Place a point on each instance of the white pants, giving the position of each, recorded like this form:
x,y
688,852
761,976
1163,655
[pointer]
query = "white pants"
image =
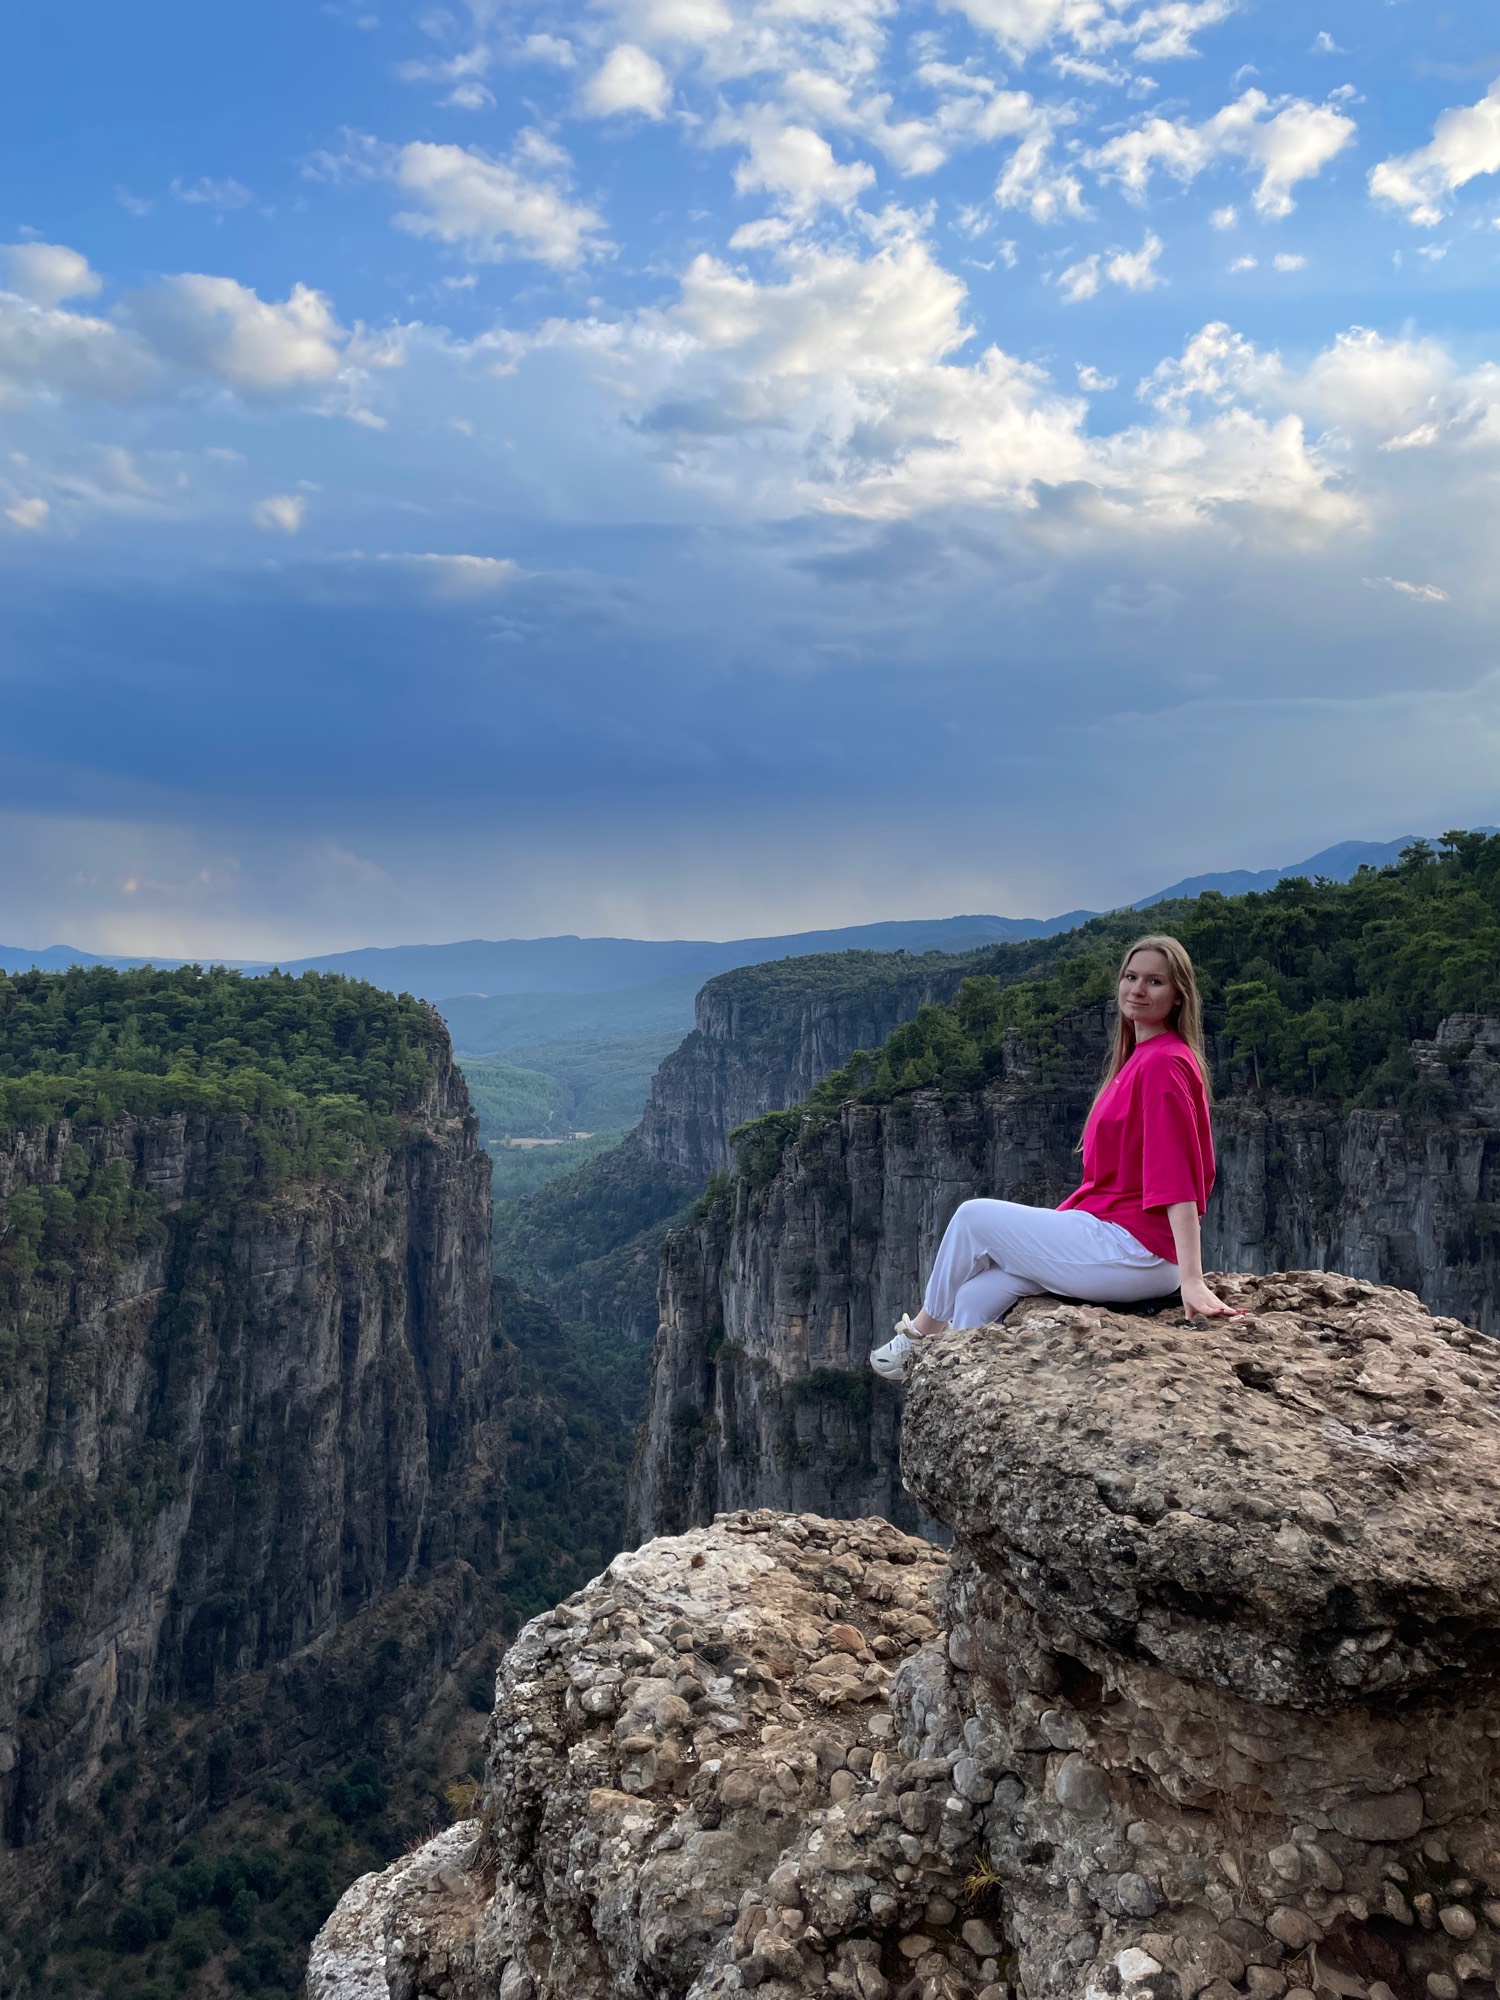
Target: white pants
x,y
995,1252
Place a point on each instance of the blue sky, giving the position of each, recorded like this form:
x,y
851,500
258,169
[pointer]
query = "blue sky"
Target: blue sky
x,y
716,466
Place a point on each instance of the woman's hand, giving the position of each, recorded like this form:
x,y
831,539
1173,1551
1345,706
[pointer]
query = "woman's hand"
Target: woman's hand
x,y
1197,1297
1200,1299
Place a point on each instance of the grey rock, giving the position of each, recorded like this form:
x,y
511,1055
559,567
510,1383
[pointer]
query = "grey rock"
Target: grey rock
x,y
1383,1816
1135,1895
1081,1786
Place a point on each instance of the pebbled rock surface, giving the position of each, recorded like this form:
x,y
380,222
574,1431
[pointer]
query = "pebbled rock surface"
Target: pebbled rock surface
x,y
1224,1602
1204,1703
725,1765
1301,1506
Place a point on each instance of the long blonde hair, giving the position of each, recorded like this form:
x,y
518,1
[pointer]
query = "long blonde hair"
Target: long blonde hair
x,y
1186,1017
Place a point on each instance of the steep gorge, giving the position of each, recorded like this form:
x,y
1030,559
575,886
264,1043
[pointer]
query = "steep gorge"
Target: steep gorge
x,y
233,1420
773,1295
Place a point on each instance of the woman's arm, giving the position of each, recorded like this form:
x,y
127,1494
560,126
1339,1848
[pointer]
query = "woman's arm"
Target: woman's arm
x,y
1188,1237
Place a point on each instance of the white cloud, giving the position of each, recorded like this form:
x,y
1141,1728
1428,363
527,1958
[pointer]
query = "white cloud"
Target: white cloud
x,y
554,50
1224,218
460,576
763,234
206,193
28,514
1425,593
1289,260
1217,366
1095,383
1363,390
1465,143
49,351
281,514
1159,33
794,163
493,209
1365,382
628,80
1031,180
1288,140
1245,263
1416,439
48,273
470,97
838,386
1081,280
1136,269
220,328
1323,44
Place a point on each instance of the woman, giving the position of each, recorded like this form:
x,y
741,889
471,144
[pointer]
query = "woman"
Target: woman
x,y
1132,1230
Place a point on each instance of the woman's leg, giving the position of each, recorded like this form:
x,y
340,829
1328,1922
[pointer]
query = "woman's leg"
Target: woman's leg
x,y
986,1297
1040,1249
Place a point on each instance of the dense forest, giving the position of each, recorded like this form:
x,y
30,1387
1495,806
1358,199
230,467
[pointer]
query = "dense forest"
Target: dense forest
x,y
1310,989
331,1055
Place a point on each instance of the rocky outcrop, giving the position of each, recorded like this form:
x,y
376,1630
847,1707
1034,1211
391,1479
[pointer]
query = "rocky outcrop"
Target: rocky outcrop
x,y
1227,1600
254,1412
681,1768
1204,1704
764,1035
772,1299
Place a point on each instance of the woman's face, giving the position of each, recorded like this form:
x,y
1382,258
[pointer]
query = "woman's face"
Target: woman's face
x,y
1146,993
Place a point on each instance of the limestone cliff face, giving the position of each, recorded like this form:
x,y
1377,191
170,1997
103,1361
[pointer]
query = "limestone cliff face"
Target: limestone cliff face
x,y
771,1301
223,1441
766,1034
1203,1706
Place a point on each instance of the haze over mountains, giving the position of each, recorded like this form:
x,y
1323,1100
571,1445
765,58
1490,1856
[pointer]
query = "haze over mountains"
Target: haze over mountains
x,y
662,976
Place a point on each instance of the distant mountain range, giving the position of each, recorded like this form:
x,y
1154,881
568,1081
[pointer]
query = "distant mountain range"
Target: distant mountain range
x,y
563,986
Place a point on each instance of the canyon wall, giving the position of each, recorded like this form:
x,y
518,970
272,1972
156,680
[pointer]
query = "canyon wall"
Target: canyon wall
x,y
764,1035
772,1298
232,1419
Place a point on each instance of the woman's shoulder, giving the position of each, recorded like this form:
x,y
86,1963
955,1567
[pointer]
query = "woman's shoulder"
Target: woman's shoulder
x,y
1169,1056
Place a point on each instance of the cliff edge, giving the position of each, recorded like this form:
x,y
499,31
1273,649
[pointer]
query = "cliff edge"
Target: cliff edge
x,y
775,1291
1203,1703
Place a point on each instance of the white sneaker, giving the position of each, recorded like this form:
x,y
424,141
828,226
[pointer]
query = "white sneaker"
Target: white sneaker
x,y
893,1359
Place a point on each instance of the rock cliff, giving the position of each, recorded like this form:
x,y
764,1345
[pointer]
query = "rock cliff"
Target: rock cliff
x,y
1204,1704
764,1035
773,1296
244,1420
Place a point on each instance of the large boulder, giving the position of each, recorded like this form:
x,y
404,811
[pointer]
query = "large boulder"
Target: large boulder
x,y
1301,1506
1224,1602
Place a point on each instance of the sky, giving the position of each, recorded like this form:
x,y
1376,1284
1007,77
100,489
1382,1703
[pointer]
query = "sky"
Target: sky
x,y
717,467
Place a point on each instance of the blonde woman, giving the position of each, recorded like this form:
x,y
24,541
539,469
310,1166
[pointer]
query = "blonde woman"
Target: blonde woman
x,y
1131,1231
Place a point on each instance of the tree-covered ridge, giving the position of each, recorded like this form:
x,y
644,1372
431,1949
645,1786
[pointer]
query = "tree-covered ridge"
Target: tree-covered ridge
x,y
91,1043
1311,988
